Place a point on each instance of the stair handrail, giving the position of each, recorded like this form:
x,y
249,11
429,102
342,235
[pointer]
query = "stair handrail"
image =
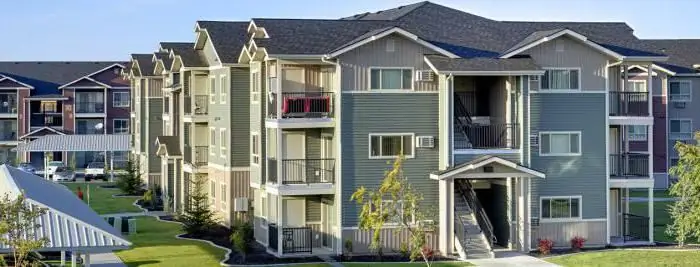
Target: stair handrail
x,y
479,212
461,111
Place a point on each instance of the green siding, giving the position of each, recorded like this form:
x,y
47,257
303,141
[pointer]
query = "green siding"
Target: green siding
x,y
363,114
313,209
155,128
583,175
240,117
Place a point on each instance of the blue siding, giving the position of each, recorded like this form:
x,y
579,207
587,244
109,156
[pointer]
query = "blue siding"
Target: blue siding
x,y
462,158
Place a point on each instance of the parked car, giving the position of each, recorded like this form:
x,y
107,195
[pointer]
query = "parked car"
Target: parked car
x,y
53,165
27,167
63,174
95,170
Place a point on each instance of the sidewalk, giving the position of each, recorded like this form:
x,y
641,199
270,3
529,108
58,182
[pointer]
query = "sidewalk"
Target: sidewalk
x,y
506,259
106,260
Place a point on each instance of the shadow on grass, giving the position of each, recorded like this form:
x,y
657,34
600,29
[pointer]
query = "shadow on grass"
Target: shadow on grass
x,y
141,263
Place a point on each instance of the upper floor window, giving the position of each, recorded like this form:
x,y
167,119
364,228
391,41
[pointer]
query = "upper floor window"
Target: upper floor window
x,y
561,79
224,201
212,192
637,86
560,207
680,91
222,134
390,145
255,87
637,132
255,149
120,126
120,99
560,143
223,88
391,79
212,140
89,102
212,90
681,129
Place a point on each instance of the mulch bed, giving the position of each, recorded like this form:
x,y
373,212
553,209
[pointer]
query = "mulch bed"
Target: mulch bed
x,y
108,186
158,207
385,258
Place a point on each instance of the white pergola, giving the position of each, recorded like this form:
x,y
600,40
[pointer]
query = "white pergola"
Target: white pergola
x,y
78,143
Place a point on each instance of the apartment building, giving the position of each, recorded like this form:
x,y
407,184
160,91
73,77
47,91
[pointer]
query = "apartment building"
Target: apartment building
x,y
516,131
62,98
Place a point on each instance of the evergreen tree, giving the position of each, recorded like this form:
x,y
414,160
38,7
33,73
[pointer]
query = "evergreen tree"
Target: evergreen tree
x,y
198,216
130,181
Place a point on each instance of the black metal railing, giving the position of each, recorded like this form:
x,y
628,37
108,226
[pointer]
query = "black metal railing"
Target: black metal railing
x,y
48,120
8,134
297,240
478,136
201,104
187,153
635,227
629,164
90,107
629,103
272,235
188,105
465,189
201,155
302,171
8,103
301,105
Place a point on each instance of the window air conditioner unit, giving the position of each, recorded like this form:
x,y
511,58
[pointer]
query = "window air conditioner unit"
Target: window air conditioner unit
x,y
240,204
679,104
425,141
424,75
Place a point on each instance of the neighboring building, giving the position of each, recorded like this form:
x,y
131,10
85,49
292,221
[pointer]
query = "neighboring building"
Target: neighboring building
x,y
515,131
62,98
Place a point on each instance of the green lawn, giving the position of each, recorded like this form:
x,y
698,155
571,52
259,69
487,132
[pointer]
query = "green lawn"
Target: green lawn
x,y
637,258
436,264
101,199
155,244
657,194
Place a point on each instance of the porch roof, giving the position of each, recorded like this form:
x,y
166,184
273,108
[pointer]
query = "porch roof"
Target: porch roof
x,y
82,142
474,169
168,146
483,66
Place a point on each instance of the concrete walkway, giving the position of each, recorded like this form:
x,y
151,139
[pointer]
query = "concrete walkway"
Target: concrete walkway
x,y
105,260
508,259
135,214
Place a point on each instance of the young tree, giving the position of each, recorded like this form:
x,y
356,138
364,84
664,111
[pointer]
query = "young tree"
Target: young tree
x,y
243,237
395,201
130,181
685,213
19,228
198,216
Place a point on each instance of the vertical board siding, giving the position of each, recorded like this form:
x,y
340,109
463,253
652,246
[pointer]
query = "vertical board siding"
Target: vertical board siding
x,y
583,175
363,114
239,129
561,232
575,55
391,240
155,87
357,62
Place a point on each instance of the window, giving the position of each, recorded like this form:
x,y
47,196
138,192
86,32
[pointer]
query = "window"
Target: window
x,y
680,91
390,145
212,140
222,135
560,207
120,126
223,88
212,90
637,86
212,193
263,208
224,201
120,99
560,143
255,87
391,78
681,129
397,210
637,132
255,149
560,79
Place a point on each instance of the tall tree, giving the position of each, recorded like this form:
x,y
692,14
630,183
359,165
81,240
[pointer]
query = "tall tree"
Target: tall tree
x,y
685,213
130,182
198,215
395,202
19,227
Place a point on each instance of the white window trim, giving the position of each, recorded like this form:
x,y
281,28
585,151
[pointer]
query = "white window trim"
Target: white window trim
x,y
690,91
646,89
114,126
369,147
222,145
222,93
212,193
212,146
369,78
561,89
670,133
580,149
212,86
224,199
263,215
255,87
253,155
114,98
630,136
580,209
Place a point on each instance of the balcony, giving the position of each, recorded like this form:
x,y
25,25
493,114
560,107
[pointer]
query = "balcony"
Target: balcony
x,y
198,110
486,136
90,107
630,170
38,120
307,109
295,240
302,176
8,130
629,104
201,155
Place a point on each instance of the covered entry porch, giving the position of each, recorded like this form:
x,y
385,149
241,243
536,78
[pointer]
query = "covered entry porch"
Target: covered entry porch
x,y
483,206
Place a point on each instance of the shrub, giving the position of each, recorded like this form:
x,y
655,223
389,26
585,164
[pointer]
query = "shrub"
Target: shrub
x,y
198,217
577,243
544,246
148,197
348,248
242,238
404,251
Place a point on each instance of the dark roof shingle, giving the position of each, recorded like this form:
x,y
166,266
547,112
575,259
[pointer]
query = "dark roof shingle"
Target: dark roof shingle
x,y
482,64
47,76
682,53
228,37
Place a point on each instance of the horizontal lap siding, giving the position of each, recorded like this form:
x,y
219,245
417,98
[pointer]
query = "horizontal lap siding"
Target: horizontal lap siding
x,y
240,117
155,129
386,113
583,175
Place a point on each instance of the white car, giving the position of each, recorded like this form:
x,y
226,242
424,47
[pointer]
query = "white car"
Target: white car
x,y
53,165
63,174
95,170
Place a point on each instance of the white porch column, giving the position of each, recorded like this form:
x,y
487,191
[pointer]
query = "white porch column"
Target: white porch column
x,y
650,128
523,218
650,199
446,205
73,259
280,224
63,258
86,260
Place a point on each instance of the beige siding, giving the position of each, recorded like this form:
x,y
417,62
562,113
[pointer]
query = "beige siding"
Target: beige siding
x,y
237,185
210,53
407,53
391,240
561,232
574,55
155,88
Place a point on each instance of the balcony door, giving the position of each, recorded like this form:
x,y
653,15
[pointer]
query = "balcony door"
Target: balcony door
x,y
294,157
293,80
327,159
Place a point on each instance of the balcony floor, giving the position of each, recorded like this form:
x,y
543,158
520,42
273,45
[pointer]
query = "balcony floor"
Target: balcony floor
x,y
631,182
300,189
631,120
300,123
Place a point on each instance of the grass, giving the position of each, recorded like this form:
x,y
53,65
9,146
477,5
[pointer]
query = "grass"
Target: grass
x,y
101,199
155,244
409,264
637,258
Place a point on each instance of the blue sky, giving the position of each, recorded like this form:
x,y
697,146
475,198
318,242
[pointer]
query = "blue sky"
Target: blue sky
x,y
111,30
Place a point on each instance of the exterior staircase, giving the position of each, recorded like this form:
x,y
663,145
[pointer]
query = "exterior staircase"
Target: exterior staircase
x,y
472,241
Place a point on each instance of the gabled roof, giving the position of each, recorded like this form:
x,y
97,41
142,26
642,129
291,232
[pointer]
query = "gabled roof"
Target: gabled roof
x,y
9,82
682,53
383,32
228,37
388,14
92,77
474,165
41,132
47,76
69,223
168,146
483,66
189,56
145,64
